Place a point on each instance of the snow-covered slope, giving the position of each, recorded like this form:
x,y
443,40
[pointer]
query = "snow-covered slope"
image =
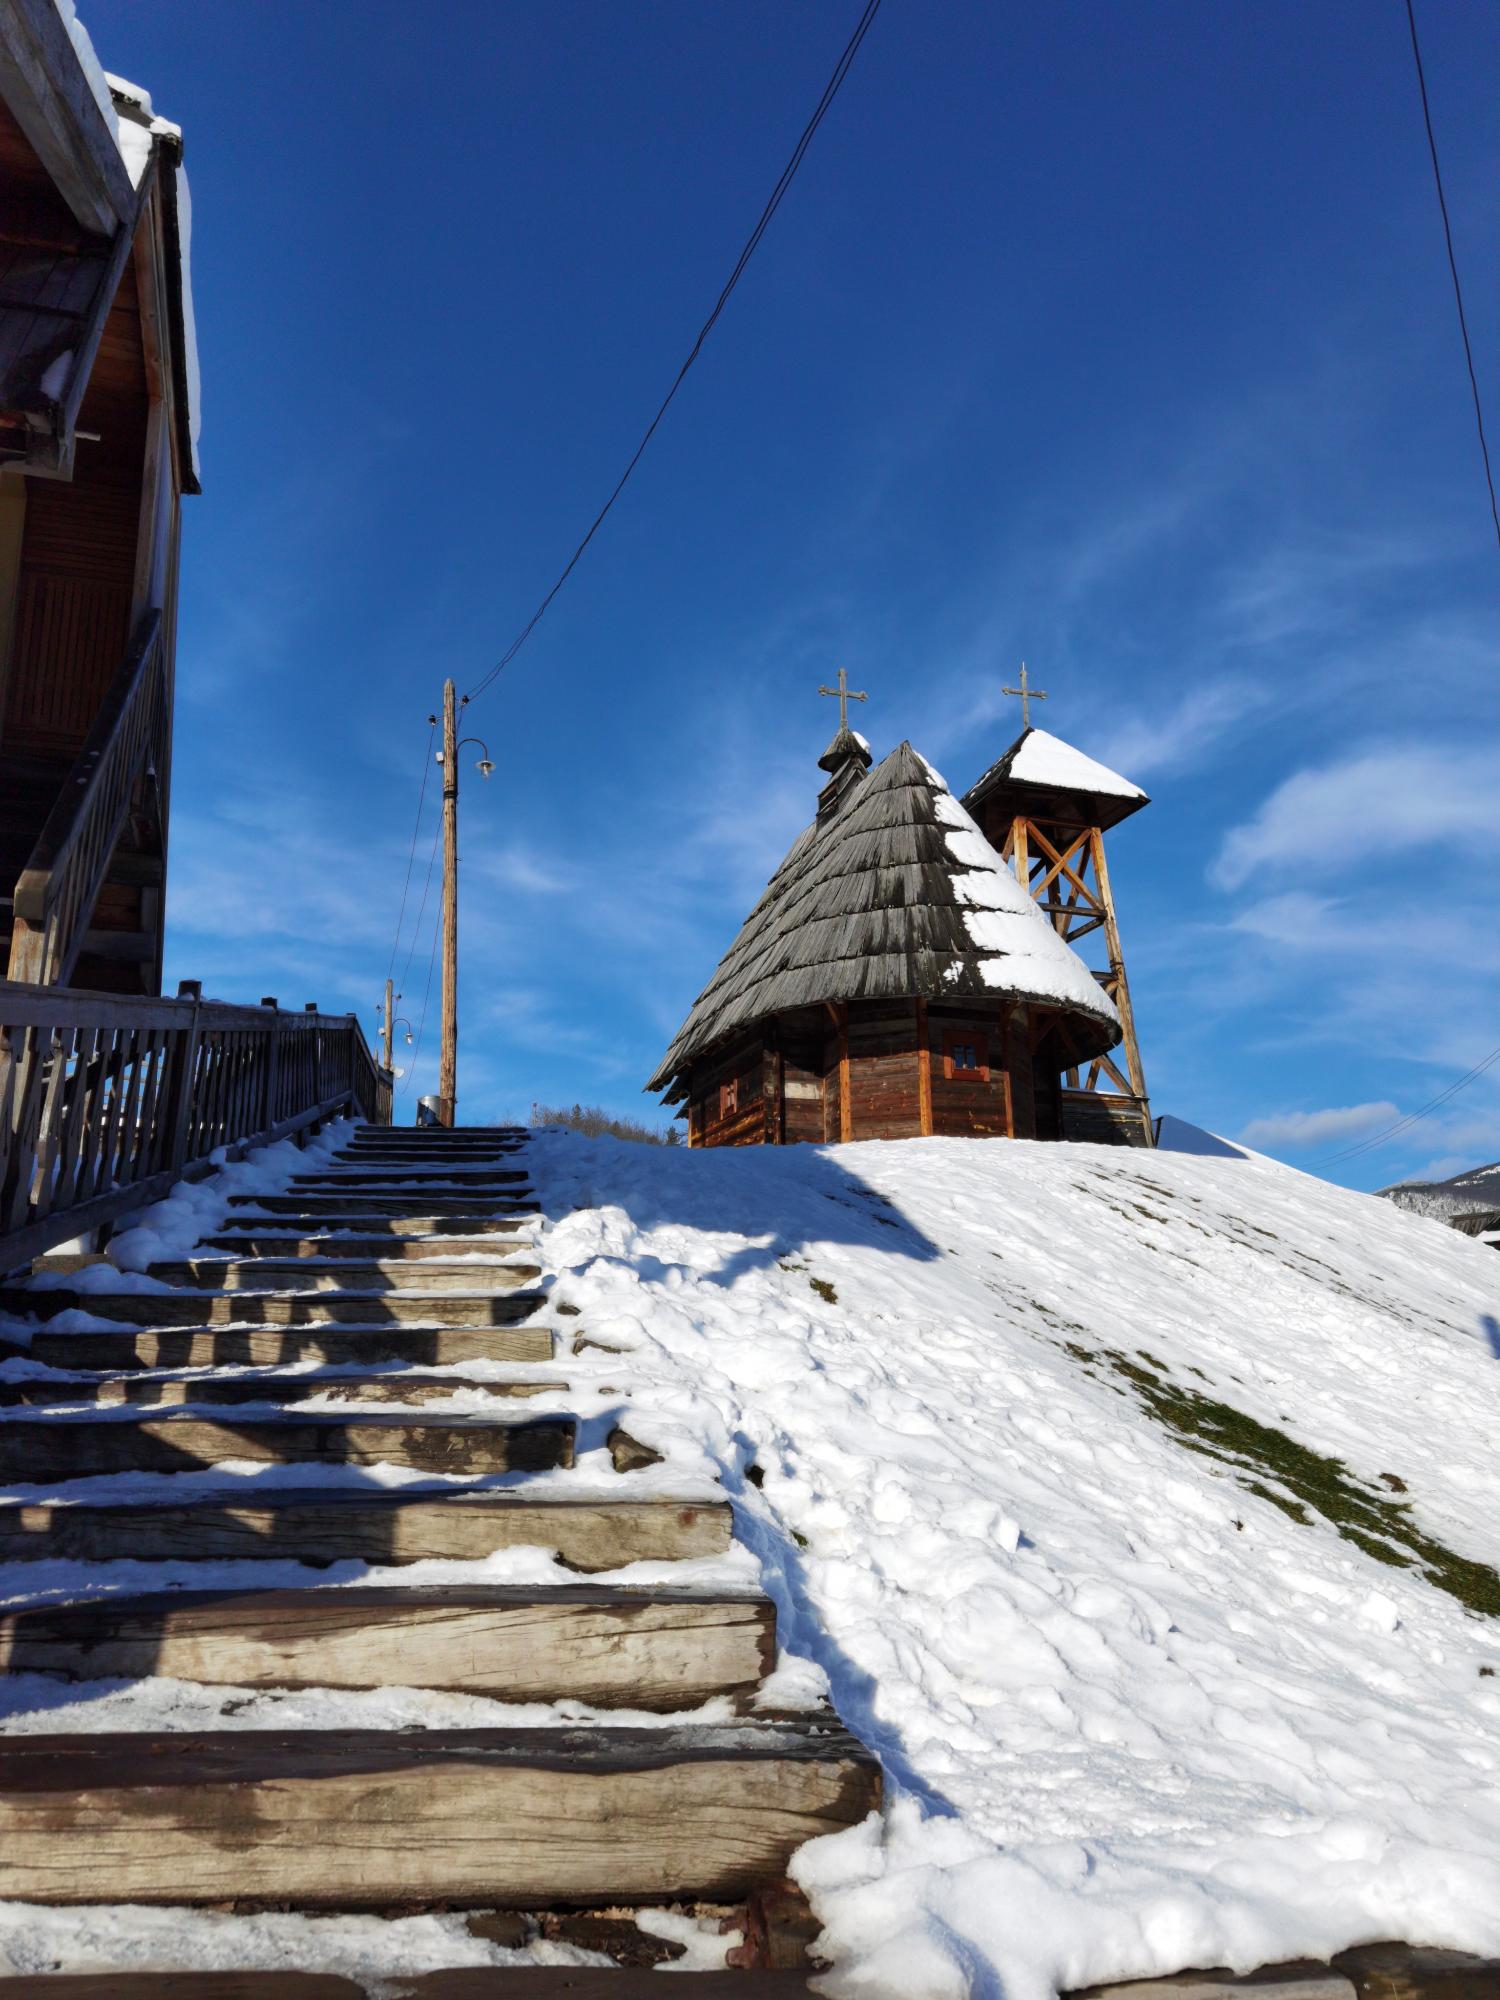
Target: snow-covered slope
x,y
1476,1191
1138,1508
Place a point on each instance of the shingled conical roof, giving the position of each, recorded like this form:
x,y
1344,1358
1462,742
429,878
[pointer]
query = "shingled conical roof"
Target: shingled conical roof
x,y
894,893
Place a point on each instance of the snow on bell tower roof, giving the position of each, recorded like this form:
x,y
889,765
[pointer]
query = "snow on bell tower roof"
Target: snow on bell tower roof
x,y
1039,765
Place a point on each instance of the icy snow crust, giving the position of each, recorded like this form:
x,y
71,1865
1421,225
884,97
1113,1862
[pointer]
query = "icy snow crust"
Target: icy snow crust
x,y
1134,1717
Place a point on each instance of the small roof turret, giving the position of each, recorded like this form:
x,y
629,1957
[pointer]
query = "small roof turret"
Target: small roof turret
x,y
1041,775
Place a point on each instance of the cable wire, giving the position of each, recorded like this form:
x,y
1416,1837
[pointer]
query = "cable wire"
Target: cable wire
x,y
788,175
412,856
416,929
426,996
1412,1117
1463,322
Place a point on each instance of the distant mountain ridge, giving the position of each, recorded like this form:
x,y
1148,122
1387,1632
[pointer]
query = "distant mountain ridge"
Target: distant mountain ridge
x,y
1470,1201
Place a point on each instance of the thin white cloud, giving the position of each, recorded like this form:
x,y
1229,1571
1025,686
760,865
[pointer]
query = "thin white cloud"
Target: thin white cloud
x,y
1378,802
1295,1129
1181,736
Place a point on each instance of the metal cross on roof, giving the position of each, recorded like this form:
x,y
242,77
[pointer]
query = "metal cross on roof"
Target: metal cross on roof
x,y
846,694
1028,695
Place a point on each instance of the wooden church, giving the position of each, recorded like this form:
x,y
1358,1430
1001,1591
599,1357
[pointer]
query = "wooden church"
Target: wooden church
x,y
914,967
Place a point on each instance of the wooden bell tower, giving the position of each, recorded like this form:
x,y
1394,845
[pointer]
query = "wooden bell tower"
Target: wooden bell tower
x,y
1046,807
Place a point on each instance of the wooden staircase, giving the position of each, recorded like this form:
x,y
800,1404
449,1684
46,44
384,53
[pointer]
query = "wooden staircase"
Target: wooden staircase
x,y
340,1318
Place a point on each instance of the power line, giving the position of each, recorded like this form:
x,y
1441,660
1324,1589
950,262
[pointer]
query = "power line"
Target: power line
x,y
1412,1117
426,996
1463,322
412,856
788,175
416,929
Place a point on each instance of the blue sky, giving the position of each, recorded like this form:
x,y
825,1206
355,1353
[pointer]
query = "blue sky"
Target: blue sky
x,y
1117,337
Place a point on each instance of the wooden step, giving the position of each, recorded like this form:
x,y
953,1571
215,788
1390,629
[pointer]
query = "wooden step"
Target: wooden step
x,y
350,1308
463,1179
351,1819
43,1449
601,1644
273,1347
409,1211
401,1385
376,1525
338,1273
424,1156
499,1239
470,1982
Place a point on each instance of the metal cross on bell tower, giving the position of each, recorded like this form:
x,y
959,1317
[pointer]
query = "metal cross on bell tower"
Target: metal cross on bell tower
x,y
1028,695
846,694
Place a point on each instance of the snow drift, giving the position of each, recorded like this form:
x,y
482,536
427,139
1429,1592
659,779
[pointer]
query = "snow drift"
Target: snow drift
x,y
1138,1508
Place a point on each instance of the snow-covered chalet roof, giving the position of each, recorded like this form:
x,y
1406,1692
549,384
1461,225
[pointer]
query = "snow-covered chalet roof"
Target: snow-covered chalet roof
x,y
1043,763
895,893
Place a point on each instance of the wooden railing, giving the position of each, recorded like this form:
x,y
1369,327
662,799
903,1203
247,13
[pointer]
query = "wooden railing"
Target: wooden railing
x,y
105,1102
60,884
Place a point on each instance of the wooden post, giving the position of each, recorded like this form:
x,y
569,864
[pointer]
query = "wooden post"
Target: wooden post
x,y
846,1112
273,1061
1117,968
184,1058
924,1072
386,1031
448,1056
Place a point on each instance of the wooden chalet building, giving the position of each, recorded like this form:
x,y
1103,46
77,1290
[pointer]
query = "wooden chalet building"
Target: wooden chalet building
x,y
896,979
96,382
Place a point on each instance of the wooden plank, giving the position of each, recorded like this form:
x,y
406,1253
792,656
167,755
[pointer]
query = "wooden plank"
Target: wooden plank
x,y
275,1347
473,1982
392,1525
334,1272
185,1308
187,1986
609,1646
411,1206
48,1448
43,84
1303,1980
395,1385
924,1069
353,1818
388,1248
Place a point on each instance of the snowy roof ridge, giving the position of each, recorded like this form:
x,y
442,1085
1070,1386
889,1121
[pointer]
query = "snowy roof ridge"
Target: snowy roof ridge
x,y
897,894
1037,757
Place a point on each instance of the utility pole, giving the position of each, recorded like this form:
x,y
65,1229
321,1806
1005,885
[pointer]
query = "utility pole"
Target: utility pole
x,y
448,1059
386,1031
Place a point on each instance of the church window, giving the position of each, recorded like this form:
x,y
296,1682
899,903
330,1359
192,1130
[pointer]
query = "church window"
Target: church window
x,y
729,1097
966,1056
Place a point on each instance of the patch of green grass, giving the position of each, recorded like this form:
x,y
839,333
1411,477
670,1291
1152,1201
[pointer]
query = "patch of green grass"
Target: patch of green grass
x,y
824,1291
1298,1480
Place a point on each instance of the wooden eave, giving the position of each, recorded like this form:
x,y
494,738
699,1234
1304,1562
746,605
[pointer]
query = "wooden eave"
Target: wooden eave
x,y
43,83
1017,798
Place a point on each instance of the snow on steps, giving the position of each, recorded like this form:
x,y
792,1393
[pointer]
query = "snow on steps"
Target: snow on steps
x,y
353,1817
